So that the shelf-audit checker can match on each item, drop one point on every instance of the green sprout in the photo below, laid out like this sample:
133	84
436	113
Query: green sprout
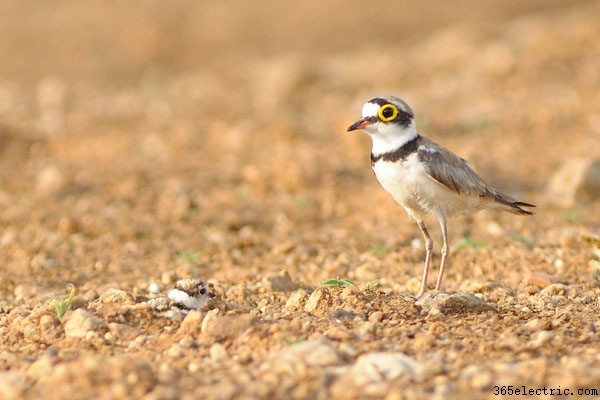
520	238
572	216
290	340
304	203
468	241
188	258
241	193
64	305
379	249
337	282
370	285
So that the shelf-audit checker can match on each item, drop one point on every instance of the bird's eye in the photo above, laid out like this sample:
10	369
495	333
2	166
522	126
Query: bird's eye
388	112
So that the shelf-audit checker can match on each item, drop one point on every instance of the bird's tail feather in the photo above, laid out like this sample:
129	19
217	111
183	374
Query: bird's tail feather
516	207
513	206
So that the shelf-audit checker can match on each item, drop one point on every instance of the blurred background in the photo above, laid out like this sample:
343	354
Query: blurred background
132	134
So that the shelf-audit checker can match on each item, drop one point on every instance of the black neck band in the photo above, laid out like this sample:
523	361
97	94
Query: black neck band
400	153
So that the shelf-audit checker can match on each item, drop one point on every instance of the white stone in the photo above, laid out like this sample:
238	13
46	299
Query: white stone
379	366
154	288
299	356
543	337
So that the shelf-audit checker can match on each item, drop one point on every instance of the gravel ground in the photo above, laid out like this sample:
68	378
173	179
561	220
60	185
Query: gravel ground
200	150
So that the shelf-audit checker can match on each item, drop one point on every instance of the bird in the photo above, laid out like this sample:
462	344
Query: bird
424	177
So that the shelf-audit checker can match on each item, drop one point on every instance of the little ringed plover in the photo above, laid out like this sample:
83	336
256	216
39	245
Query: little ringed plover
424	177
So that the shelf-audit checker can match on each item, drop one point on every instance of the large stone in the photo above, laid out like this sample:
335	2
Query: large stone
221	327
12	385
479	377
50	327
319	302
192	323
92	376
577	181
435	303
279	282
296	300
81	321
112	303
374	367
300	356
373	372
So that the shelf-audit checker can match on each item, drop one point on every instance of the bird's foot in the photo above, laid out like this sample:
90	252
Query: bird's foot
419	295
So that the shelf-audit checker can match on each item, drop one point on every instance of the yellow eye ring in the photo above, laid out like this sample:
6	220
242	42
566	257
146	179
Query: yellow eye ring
384	112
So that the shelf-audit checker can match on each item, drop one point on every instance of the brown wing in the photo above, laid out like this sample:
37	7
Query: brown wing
454	172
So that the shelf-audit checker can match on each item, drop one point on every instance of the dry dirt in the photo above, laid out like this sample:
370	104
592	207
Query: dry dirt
143	146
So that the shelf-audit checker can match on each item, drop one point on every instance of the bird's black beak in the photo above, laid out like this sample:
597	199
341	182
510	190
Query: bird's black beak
360	124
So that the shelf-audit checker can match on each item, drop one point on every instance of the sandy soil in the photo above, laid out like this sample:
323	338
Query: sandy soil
139	147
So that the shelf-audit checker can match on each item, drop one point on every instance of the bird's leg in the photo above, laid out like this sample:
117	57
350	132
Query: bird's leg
445	252
429	249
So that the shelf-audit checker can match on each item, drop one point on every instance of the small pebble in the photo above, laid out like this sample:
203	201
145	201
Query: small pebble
154	288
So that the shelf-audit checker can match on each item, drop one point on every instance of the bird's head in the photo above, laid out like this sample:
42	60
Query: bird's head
385	116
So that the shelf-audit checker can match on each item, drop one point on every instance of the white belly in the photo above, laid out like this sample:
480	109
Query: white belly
418	193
